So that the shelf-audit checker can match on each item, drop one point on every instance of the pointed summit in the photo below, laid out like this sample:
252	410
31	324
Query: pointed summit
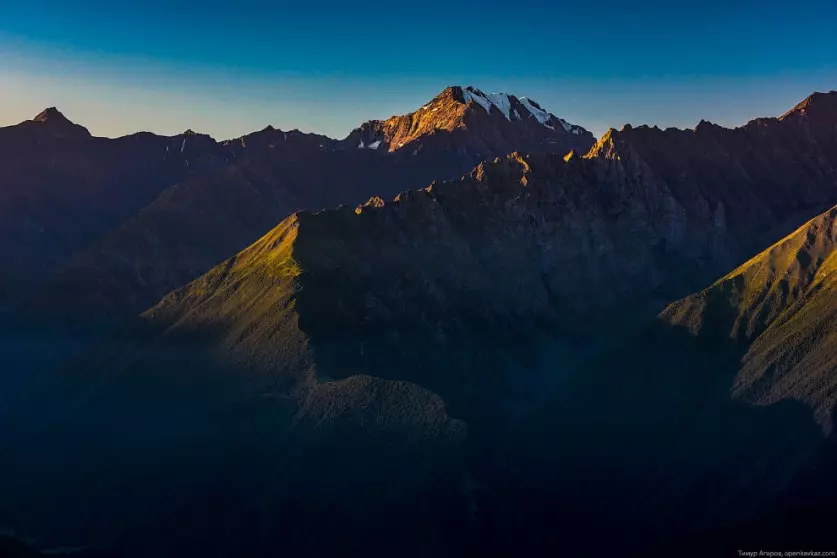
59	125
51	115
824	104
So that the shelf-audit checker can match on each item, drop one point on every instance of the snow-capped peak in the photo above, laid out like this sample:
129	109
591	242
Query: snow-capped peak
504	103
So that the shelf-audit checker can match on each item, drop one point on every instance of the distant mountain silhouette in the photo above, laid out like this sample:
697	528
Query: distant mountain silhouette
62	189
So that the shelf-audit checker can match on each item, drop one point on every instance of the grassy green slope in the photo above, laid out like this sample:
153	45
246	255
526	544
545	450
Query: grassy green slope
780	305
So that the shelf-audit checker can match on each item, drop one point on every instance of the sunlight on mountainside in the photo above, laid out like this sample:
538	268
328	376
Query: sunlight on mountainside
781	304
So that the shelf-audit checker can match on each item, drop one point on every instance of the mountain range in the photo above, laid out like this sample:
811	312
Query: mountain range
517	354
204	200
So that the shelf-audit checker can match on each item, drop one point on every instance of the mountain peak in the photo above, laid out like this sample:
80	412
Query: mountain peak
58	124
814	104
51	115
490	123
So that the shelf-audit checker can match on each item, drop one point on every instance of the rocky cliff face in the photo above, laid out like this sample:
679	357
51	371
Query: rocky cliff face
767	167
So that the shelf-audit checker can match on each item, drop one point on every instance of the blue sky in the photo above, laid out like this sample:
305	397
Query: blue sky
234	66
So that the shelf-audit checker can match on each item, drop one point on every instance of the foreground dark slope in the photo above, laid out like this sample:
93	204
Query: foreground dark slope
198	223
13	548
319	358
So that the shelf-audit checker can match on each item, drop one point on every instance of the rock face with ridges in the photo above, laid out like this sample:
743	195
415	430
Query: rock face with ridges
466	120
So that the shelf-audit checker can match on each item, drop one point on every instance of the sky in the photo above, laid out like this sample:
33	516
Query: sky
234	66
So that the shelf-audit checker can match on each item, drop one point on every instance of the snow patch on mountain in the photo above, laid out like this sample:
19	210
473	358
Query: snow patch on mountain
373	145
537	112
487	100
474	95
503	103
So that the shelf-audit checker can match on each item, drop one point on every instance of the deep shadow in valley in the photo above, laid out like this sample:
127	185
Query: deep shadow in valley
584	449
173	451
167	445
646	445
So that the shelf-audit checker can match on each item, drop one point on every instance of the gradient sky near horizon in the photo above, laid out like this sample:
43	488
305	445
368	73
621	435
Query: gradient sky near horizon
231	67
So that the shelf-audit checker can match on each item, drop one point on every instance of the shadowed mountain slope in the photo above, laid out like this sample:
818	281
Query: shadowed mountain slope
61	189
